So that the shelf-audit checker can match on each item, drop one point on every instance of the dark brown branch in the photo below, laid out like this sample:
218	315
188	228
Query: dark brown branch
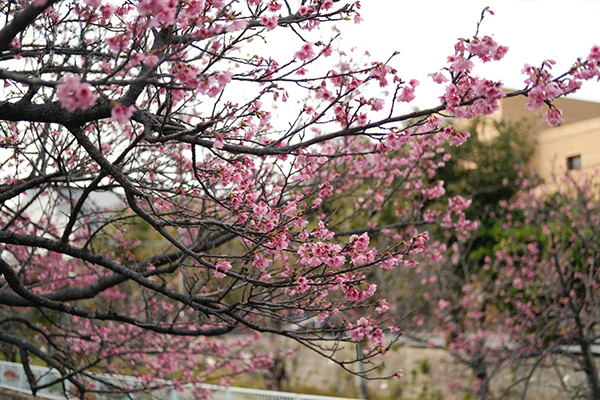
20	22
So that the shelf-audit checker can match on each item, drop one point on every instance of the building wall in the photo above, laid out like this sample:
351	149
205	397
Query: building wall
578	135
556	145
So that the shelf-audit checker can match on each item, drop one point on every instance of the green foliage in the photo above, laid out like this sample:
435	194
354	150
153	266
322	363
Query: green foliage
489	168
423	366
486	169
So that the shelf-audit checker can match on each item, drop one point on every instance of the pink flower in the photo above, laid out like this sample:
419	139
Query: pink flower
360	242
442	304
222	268
410	263
224	78
306	52
389	263
304	10
261	262
438	77
303	284
218	143
383	306
118	43
122	114
458	138
237	25
161	11
73	94
594	54
326	4
408	93
377	104
460	64
379	72
553	116
274	6
151	60
93	3
269	22
15	43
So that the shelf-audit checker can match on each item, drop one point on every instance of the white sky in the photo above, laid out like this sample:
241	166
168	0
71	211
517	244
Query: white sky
425	31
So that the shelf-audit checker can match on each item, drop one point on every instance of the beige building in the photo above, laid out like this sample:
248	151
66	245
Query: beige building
574	144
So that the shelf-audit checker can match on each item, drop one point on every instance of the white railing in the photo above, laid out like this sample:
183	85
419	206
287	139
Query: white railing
12	376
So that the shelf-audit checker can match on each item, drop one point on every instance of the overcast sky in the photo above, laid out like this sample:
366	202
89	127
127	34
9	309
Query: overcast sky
425	31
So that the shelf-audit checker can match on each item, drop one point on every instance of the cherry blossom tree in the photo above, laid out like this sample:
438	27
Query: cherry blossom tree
548	281
533	304
171	190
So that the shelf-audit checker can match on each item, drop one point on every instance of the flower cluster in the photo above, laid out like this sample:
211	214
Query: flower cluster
74	94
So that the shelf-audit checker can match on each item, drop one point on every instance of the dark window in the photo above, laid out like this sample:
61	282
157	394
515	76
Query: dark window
574	162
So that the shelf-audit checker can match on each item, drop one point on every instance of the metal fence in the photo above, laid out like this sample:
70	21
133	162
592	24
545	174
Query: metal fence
12	376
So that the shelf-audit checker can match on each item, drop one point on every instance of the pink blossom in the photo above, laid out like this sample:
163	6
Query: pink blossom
224	78
269	22
553	116
383	306
536	98
379	72
15	43
458	204
93	3
377	104
438	77
151	60
360	242
410	263
218	143
222	268
486	49
355	334
460	64
306	52
443	304
408	92
122	114
327	4
390	263
397	140
594	54
458	138
160	11
303	284
274	6
261	262
237	25
73	94
356	295
304	10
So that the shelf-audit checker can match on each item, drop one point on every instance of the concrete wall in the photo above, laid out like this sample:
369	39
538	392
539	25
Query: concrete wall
7	394
578	135
555	145
428	374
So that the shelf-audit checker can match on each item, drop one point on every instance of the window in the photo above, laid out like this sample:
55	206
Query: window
574	162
